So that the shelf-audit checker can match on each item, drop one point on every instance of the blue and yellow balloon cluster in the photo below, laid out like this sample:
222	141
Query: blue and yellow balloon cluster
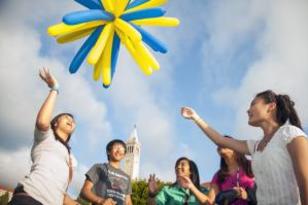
109	22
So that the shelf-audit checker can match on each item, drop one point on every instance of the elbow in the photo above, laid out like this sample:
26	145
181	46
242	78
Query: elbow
42	125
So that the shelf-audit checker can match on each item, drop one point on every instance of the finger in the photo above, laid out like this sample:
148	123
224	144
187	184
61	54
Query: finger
41	74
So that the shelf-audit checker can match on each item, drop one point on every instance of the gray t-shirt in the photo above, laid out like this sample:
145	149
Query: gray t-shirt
110	182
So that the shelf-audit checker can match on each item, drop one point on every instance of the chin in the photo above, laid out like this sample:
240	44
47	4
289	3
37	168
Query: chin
254	124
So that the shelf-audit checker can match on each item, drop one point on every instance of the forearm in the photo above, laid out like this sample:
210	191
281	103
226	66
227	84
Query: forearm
93	198
201	197
45	112
210	132
237	145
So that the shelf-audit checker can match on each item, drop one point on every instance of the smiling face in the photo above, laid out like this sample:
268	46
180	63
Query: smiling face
259	111
183	168
117	152
66	124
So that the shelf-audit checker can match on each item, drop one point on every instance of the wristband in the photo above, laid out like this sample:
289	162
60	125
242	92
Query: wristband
55	88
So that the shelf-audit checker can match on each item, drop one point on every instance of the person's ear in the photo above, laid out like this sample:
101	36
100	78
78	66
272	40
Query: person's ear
271	107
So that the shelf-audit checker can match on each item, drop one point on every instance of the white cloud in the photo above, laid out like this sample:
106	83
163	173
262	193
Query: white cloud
283	64
131	94
23	92
14	167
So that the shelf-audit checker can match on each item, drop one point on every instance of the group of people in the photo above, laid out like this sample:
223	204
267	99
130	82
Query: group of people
276	174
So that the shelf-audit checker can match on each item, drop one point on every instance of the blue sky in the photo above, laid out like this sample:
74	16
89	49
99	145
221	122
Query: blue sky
220	56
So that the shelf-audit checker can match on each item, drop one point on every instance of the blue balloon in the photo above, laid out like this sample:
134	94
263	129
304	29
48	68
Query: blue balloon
145	13
154	43
114	53
136	3
91	4
84	50
86	16
114	56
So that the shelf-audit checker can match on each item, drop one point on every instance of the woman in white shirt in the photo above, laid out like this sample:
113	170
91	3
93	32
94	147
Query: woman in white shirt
51	169
280	158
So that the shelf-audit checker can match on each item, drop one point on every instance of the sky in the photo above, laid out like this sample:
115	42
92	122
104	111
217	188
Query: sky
222	54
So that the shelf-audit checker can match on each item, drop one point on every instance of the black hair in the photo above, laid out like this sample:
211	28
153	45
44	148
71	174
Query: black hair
285	107
194	172
242	161
53	127
113	142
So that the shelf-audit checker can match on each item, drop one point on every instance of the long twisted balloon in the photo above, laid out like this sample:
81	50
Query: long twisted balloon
107	23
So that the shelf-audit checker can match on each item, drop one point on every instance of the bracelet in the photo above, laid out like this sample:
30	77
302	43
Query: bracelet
55	88
198	119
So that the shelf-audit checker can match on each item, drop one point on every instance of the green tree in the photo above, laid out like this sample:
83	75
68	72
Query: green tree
140	191
4	199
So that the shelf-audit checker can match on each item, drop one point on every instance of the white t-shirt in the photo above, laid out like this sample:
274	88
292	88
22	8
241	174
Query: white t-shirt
48	178
273	170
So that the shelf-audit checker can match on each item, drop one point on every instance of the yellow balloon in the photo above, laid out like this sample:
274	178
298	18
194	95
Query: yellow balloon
146	69
120	6
159	21
98	67
147	55
100	44
106	77
74	36
149	4
62	28
127	29
108	5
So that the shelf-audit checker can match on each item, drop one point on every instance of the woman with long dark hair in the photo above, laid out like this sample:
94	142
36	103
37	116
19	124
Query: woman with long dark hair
52	161
186	190
233	183
280	158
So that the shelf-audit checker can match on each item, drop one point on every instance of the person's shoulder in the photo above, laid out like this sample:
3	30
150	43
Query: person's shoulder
98	166
289	132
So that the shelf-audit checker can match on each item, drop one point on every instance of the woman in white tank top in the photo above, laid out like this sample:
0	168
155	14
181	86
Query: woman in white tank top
280	158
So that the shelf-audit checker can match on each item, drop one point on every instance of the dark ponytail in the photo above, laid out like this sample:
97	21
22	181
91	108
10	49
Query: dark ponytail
285	107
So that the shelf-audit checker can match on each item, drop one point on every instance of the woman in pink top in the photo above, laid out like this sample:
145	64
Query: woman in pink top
233	183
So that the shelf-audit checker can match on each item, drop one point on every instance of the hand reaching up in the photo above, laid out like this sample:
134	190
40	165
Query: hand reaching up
50	80
189	113
152	184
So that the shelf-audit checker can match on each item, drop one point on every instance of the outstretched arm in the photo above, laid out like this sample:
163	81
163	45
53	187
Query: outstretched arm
237	145
298	150
44	115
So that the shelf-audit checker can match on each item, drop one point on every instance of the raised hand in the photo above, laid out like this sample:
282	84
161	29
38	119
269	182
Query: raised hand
189	113
50	80
152	184
185	182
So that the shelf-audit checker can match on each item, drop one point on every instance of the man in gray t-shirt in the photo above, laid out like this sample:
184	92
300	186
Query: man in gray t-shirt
106	183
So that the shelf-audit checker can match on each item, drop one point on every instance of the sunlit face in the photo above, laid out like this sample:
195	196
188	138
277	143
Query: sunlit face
259	111
182	169
117	152
225	152
66	124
